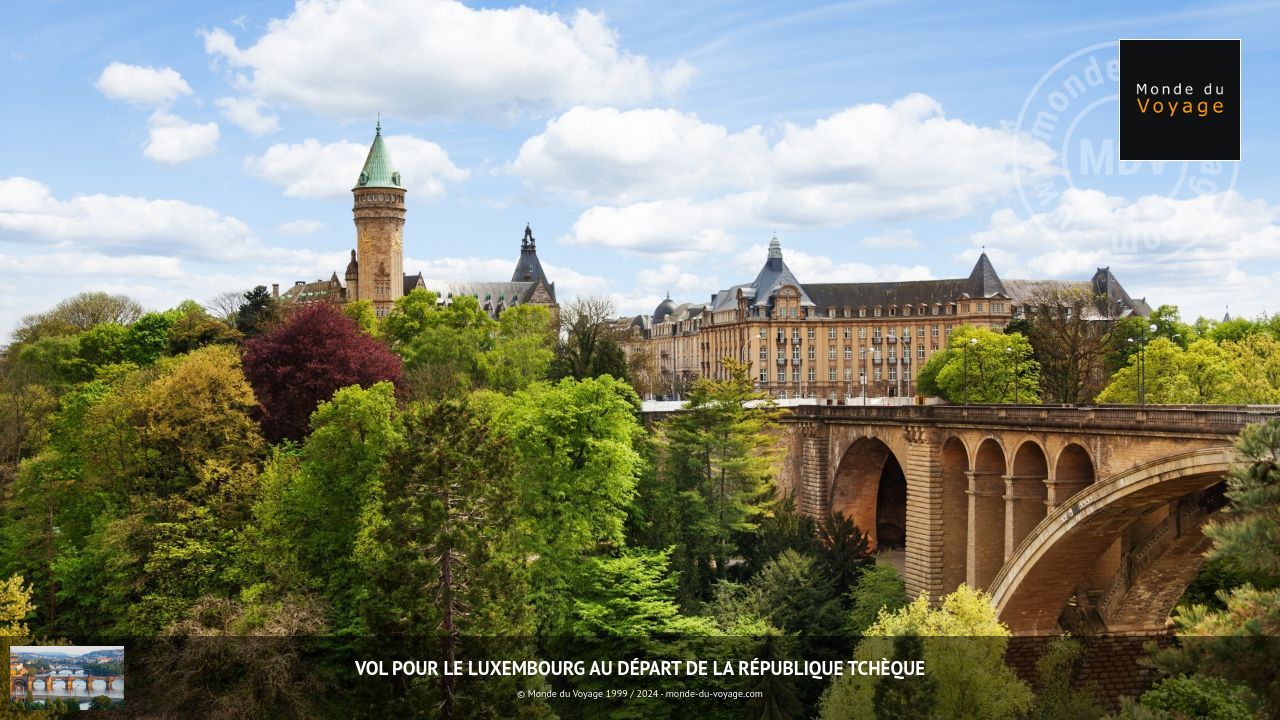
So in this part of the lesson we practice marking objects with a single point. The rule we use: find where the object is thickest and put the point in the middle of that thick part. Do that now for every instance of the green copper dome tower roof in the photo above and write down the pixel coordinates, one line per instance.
(378, 171)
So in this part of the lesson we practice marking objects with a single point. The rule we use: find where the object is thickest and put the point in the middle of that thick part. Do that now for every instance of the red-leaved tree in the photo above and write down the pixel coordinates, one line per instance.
(301, 362)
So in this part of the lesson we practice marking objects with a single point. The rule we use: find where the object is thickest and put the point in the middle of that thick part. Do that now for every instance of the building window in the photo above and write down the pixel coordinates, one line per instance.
(920, 351)
(831, 353)
(764, 334)
(795, 353)
(862, 376)
(831, 375)
(831, 312)
(877, 312)
(782, 376)
(933, 331)
(813, 352)
(948, 332)
(795, 375)
(906, 310)
(862, 312)
(848, 333)
(893, 311)
(862, 353)
(811, 333)
(875, 334)
(979, 307)
(997, 307)
(831, 333)
(893, 374)
(934, 348)
(764, 353)
(878, 376)
(812, 375)
(848, 353)
(862, 333)
(764, 375)
(848, 373)
(920, 331)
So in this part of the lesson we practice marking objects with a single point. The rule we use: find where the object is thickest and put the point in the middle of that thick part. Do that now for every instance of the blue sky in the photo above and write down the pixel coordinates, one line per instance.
(170, 150)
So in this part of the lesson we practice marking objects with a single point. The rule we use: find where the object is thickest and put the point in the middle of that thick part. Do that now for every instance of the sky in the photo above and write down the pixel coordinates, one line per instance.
(172, 150)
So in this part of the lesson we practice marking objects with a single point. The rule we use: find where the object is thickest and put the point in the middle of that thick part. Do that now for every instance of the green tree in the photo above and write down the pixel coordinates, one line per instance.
(982, 366)
(1193, 698)
(192, 328)
(15, 606)
(361, 311)
(101, 345)
(720, 458)
(312, 513)
(575, 477)
(878, 589)
(257, 311)
(1255, 367)
(1071, 340)
(148, 338)
(522, 349)
(1237, 643)
(793, 593)
(442, 345)
(590, 347)
(962, 645)
(444, 534)
(1055, 698)
(78, 313)
(1166, 377)
(630, 595)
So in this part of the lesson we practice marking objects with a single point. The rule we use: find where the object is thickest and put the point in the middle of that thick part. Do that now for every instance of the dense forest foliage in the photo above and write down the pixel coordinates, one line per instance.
(258, 473)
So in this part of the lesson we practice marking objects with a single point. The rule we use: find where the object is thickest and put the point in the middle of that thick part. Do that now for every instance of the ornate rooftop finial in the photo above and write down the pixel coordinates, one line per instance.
(775, 248)
(528, 240)
(377, 129)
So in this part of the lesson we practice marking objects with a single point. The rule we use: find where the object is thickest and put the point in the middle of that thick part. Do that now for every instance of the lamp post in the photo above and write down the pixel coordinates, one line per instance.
(1013, 374)
(1142, 362)
(972, 342)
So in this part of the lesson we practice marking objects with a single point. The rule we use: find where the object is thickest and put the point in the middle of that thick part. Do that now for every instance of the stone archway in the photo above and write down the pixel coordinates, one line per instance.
(986, 514)
(870, 488)
(1072, 472)
(1035, 584)
(1026, 492)
(955, 513)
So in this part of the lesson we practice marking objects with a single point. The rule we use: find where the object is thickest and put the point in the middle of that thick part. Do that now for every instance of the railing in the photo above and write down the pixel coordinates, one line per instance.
(1213, 419)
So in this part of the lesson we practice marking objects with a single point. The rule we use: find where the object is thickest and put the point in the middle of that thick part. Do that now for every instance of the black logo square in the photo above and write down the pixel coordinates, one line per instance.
(1179, 100)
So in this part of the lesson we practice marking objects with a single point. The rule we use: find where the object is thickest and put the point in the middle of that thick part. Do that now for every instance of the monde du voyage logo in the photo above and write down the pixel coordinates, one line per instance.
(1180, 100)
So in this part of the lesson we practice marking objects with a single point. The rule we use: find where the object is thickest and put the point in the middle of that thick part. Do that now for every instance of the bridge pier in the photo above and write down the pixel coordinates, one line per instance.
(986, 526)
(1024, 508)
(926, 527)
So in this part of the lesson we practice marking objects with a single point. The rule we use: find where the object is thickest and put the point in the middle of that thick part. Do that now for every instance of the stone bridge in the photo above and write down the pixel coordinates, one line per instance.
(1079, 518)
(50, 682)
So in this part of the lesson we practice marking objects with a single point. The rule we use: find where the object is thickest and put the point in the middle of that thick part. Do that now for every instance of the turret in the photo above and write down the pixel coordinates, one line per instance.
(379, 216)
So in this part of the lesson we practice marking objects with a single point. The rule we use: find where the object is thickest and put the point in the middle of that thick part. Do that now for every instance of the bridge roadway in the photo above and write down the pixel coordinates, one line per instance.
(49, 682)
(1079, 518)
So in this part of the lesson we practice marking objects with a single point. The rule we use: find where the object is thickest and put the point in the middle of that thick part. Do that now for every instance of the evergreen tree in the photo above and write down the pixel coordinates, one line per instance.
(256, 313)
(720, 459)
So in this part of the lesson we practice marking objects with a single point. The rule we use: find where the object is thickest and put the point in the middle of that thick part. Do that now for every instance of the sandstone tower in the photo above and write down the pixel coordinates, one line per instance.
(376, 270)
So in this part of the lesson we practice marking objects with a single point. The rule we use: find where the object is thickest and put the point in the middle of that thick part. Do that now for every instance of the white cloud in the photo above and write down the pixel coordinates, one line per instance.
(248, 114)
(665, 179)
(672, 230)
(313, 170)
(674, 279)
(174, 141)
(118, 224)
(810, 268)
(892, 240)
(142, 85)
(1187, 251)
(619, 157)
(347, 58)
(300, 227)
(95, 264)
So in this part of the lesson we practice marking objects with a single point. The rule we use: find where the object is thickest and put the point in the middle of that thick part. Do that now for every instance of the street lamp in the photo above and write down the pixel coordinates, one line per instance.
(972, 342)
(1013, 375)
(1142, 362)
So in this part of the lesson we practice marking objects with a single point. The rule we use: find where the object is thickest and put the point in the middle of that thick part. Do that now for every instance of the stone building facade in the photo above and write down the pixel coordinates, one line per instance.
(376, 270)
(835, 340)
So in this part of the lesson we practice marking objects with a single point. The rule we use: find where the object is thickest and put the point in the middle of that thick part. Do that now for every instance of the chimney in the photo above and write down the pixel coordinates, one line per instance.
(275, 289)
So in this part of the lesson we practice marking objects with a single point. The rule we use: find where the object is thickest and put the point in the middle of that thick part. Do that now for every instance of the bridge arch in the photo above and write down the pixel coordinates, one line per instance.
(955, 512)
(1026, 493)
(986, 512)
(1073, 470)
(870, 488)
(1033, 587)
